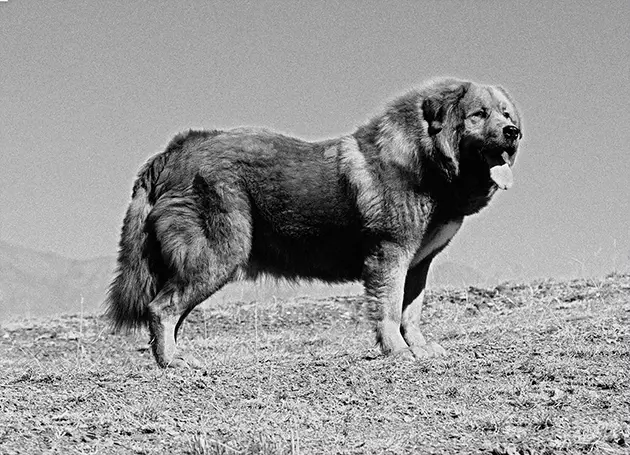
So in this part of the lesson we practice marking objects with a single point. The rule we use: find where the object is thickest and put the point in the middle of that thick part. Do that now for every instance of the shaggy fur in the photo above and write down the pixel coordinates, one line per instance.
(377, 206)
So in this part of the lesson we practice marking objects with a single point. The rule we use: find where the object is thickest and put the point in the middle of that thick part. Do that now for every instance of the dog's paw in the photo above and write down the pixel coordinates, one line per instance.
(403, 354)
(425, 351)
(184, 361)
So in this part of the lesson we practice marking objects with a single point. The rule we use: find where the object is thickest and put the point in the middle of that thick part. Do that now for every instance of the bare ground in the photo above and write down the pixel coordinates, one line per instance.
(535, 368)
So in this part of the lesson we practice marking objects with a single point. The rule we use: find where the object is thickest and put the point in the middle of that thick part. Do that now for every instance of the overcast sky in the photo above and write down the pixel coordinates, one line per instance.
(89, 90)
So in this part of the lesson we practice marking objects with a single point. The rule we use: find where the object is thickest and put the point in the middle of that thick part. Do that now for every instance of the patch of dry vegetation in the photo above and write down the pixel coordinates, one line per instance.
(535, 368)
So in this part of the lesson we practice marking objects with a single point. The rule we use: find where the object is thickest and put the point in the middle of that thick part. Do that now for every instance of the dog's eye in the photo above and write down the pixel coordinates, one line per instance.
(507, 115)
(480, 113)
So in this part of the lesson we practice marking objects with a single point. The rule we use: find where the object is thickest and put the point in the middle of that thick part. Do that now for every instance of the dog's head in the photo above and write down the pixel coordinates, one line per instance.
(451, 127)
(472, 123)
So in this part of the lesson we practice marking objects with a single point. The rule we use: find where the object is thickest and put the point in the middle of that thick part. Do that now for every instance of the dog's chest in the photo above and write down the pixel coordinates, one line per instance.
(436, 239)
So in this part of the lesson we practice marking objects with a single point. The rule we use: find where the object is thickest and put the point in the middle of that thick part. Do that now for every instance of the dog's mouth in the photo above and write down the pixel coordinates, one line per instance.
(500, 171)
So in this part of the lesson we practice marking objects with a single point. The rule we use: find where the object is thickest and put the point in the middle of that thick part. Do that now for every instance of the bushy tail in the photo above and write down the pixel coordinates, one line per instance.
(136, 280)
(135, 284)
(137, 276)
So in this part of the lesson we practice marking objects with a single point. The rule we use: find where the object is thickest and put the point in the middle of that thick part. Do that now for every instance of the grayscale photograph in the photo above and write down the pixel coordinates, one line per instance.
(329, 227)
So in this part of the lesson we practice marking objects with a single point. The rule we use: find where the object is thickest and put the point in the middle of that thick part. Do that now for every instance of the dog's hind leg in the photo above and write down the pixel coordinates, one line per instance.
(171, 306)
(165, 313)
(204, 239)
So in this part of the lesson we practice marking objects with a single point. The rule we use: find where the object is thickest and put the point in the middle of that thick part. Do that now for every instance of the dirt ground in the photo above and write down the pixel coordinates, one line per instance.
(542, 367)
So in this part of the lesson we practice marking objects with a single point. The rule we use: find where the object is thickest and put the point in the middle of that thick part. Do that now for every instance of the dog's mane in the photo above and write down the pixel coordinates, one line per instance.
(404, 130)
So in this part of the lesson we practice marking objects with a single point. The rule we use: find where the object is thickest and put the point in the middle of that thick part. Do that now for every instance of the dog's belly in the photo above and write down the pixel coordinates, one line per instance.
(330, 253)
(436, 239)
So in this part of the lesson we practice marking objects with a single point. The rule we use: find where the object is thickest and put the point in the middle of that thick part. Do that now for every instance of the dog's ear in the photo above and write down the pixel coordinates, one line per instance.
(440, 112)
(436, 105)
(433, 113)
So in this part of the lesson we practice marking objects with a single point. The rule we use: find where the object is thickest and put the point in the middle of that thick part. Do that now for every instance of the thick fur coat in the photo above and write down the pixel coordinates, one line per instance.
(376, 205)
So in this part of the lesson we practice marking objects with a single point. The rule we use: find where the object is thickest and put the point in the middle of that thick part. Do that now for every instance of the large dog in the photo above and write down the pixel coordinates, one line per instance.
(376, 205)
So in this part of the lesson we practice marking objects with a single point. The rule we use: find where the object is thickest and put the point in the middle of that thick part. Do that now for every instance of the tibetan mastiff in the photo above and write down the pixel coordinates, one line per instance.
(376, 205)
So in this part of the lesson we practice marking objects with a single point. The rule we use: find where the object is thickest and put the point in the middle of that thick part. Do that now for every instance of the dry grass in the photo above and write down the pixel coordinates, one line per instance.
(536, 368)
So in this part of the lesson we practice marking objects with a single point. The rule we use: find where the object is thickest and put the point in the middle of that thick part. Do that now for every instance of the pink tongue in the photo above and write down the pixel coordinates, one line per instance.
(502, 174)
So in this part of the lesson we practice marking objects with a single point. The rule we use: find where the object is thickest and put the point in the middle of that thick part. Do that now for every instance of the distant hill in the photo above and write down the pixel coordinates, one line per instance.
(34, 283)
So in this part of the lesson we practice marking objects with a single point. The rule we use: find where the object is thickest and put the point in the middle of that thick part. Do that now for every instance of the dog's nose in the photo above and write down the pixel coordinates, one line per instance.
(511, 132)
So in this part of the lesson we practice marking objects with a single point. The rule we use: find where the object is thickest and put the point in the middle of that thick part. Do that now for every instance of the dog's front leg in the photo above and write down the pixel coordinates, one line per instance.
(412, 309)
(384, 280)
